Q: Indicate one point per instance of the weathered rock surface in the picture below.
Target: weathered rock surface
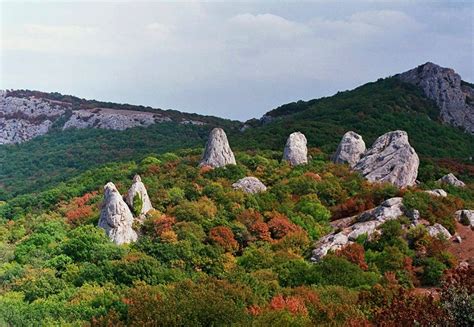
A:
(465, 217)
(443, 85)
(437, 192)
(296, 152)
(218, 152)
(438, 230)
(115, 217)
(331, 242)
(249, 185)
(366, 223)
(350, 149)
(390, 159)
(451, 180)
(138, 188)
(24, 118)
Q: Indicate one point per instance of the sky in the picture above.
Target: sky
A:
(236, 60)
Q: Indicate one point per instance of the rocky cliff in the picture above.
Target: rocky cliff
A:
(27, 114)
(454, 97)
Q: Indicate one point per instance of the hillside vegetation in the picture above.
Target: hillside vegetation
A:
(210, 255)
(370, 110)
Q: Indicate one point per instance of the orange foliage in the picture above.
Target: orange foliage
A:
(280, 226)
(354, 253)
(163, 224)
(313, 176)
(249, 216)
(293, 304)
(224, 237)
(260, 231)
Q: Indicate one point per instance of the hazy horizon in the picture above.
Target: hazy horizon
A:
(233, 60)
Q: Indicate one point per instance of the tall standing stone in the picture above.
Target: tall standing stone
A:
(390, 159)
(350, 149)
(138, 188)
(115, 217)
(218, 152)
(296, 152)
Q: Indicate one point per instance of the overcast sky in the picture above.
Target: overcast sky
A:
(235, 60)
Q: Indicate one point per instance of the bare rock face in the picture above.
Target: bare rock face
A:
(390, 159)
(218, 152)
(22, 119)
(465, 217)
(451, 180)
(116, 218)
(438, 230)
(331, 242)
(249, 185)
(296, 152)
(443, 85)
(437, 192)
(350, 149)
(366, 223)
(138, 188)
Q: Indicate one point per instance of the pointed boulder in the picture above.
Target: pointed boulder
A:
(138, 188)
(116, 218)
(296, 152)
(218, 152)
(390, 159)
(350, 149)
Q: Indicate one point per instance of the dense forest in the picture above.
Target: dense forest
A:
(209, 255)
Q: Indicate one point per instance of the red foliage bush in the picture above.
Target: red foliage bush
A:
(224, 237)
(260, 231)
(280, 226)
(354, 253)
(293, 304)
(75, 216)
(249, 217)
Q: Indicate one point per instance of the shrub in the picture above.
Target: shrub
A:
(223, 237)
(432, 272)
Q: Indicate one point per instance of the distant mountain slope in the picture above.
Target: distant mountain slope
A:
(370, 110)
(26, 114)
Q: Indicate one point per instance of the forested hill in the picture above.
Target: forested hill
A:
(370, 110)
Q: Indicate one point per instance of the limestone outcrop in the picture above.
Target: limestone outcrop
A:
(138, 188)
(438, 230)
(365, 223)
(249, 185)
(350, 149)
(451, 180)
(115, 217)
(218, 152)
(390, 159)
(296, 152)
(465, 217)
(444, 86)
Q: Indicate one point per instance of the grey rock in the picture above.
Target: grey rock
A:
(387, 210)
(218, 152)
(249, 185)
(115, 217)
(328, 243)
(350, 149)
(139, 188)
(296, 152)
(465, 217)
(458, 239)
(390, 159)
(366, 223)
(438, 230)
(451, 180)
(443, 85)
(367, 227)
(414, 215)
(437, 192)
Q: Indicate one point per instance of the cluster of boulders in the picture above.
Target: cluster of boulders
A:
(390, 159)
(116, 216)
